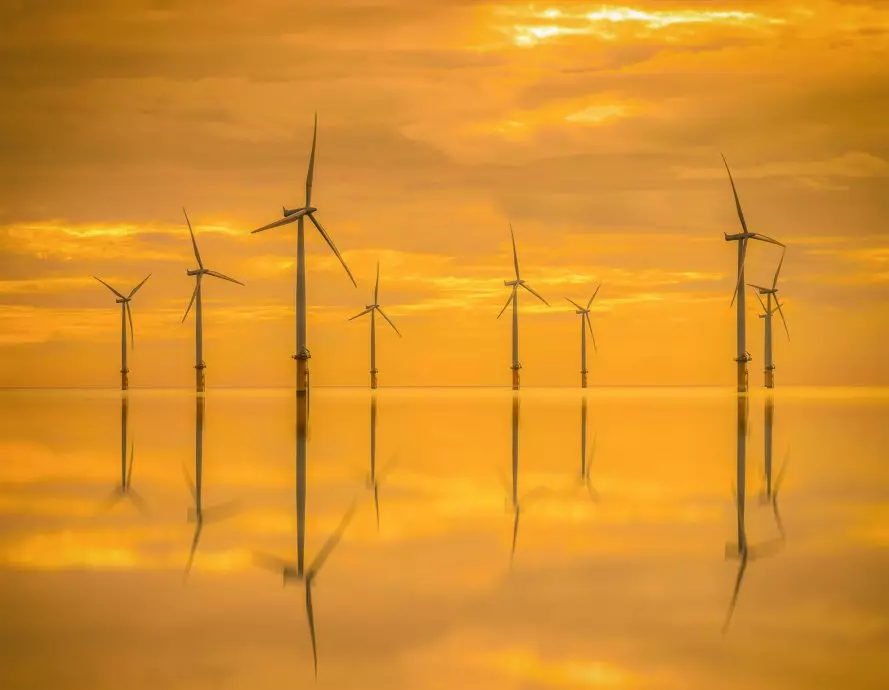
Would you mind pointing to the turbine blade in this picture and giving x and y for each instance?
(515, 256)
(352, 318)
(574, 303)
(311, 174)
(586, 316)
(388, 320)
(765, 309)
(191, 301)
(220, 512)
(783, 320)
(332, 246)
(534, 292)
(197, 254)
(281, 221)
(766, 238)
(332, 540)
(511, 295)
(132, 334)
(138, 501)
(132, 461)
(390, 465)
(740, 269)
(780, 477)
(590, 303)
(269, 562)
(311, 619)
(778, 270)
(515, 535)
(738, 579)
(194, 547)
(224, 277)
(735, 193)
(377, 286)
(136, 289)
(110, 288)
(769, 548)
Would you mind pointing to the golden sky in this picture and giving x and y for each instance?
(597, 129)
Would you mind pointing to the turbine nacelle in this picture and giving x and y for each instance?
(306, 210)
(194, 271)
(513, 283)
(739, 236)
(122, 300)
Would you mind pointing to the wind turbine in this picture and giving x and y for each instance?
(741, 238)
(287, 569)
(125, 490)
(742, 550)
(198, 273)
(125, 314)
(514, 298)
(585, 321)
(374, 477)
(768, 310)
(198, 515)
(585, 461)
(371, 309)
(299, 214)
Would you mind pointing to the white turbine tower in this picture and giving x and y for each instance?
(198, 273)
(741, 238)
(768, 310)
(125, 314)
(584, 321)
(514, 298)
(371, 309)
(299, 214)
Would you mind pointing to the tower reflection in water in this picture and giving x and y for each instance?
(290, 572)
(125, 488)
(743, 551)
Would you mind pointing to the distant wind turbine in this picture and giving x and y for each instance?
(584, 321)
(514, 299)
(198, 273)
(125, 314)
(372, 309)
(199, 515)
(299, 214)
(768, 310)
(741, 238)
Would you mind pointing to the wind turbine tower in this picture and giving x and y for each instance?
(198, 273)
(584, 313)
(299, 214)
(741, 238)
(514, 299)
(125, 314)
(371, 309)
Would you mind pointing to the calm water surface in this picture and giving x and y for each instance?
(448, 538)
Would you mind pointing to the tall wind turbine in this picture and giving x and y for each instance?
(199, 515)
(585, 321)
(372, 309)
(299, 214)
(126, 490)
(768, 310)
(125, 314)
(742, 550)
(198, 273)
(287, 569)
(741, 238)
(514, 298)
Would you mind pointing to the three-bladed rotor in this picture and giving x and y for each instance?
(584, 313)
(200, 271)
(126, 302)
(308, 211)
(518, 282)
(376, 305)
(772, 291)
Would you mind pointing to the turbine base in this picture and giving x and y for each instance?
(302, 373)
(770, 377)
(515, 378)
(583, 379)
(200, 381)
(373, 379)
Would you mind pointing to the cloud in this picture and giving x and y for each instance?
(852, 164)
